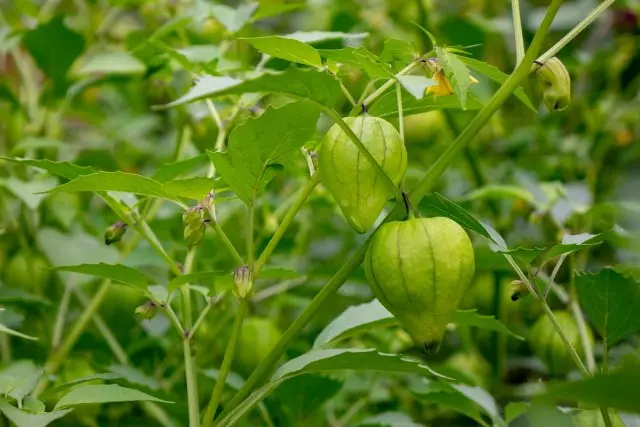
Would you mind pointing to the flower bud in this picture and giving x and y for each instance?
(115, 232)
(556, 83)
(146, 311)
(195, 222)
(518, 290)
(242, 282)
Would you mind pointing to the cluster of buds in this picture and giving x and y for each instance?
(115, 232)
(195, 220)
(518, 290)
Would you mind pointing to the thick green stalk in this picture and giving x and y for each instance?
(424, 186)
(285, 223)
(229, 354)
(189, 360)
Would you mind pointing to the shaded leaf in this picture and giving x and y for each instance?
(286, 48)
(500, 192)
(387, 104)
(63, 169)
(268, 10)
(612, 302)
(389, 419)
(444, 394)
(573, 243)
(25, 419)
(311, 84)
(115, 272)
(259, 146)
(233, 19)
(472, 318)
(173, 170)
(322, 36)
(438, 205)
(103, 393)
(30, 192)
(497, 76)
(543, 415)
(111, 63)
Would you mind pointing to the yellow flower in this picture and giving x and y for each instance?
(444, 88)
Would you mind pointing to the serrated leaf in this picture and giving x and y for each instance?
(331, 360)
(573, 243)
(63, 169)
(111, 63)
(445, 395)
(311, 84)
(617, 390)
(612, 303)
(115, 272)
(25, 419)
(262, 144)
(191, 188)
(103, 393)
(286, 48)
(497, 76)
(173, 170)
(387, 105)
(399, 51)
(360, 58)
(303, 395)
(457, 73)
(364, 317)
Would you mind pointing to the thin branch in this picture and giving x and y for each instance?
(517, 30)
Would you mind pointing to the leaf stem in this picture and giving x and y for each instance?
(285, 223)
(400, 110)
(229, 354)
(225, 239)
(517, 30)
(250, 225)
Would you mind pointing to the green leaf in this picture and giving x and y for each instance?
(445, 395)
(111, 63)
(364, 317)
(286, 48)
(355, 320)
(63, 169)
(323, 36)
(115, 272)
(612, 302)
(191, 188)
(170, 171)
(19, 378)
(438, 205)
(416, 85)
(29, 192)
(134, 376)
(457, 73)
(389, 419)
(310, 84)
(25, 419)
(54, 47)
(514, 410)
(361, 58)
(193, 278)
(617, 390)
(6, 330)
(233, 19)
(472, 318)
(543, 415)
(259, 146)
(497, 76)
(331, 360)
(303, 395)
(500, 192)
(103, 393)
(387, 105)
(399, 51)
(573, 243)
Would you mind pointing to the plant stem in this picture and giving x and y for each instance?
(285, 223)
(400, 110)
(353, 137)
(574, 306)
(595, 13)
(58, 327)
(250, 225)
(517, 30)
(226, 364)
(554, 273)
(146, 232)
(192, 387)
(416, 194)
(223, 236)
(346, 93)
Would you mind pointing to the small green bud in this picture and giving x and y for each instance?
(556, 83)
(242, 282)
(195, 222)
(115, 232)
(146, 311)
(518, 290)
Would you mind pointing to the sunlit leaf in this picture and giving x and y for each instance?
(103, 393)
(286, 48)
(116, 272)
